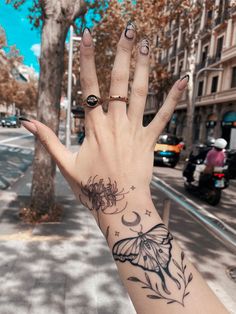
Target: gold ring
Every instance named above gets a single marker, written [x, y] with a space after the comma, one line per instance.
[118, 98]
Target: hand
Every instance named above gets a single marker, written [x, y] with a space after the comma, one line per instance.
[117, 148]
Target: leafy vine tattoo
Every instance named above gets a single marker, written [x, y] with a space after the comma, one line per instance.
[99, 196]
[151, 251]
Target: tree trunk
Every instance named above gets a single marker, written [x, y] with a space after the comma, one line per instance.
[58, 15]
[48, 110]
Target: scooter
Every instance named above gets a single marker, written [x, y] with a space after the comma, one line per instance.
[209, 186]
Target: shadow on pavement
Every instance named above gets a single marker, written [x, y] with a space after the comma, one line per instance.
[72, 274]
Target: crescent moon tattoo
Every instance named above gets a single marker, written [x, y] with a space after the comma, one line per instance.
[131, 223]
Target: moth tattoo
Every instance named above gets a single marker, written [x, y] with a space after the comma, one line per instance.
[150, 251]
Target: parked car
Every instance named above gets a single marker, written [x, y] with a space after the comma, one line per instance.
[167, 150]
[2, 121]
[11, 121]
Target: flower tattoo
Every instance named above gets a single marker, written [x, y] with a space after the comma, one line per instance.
[102, 196]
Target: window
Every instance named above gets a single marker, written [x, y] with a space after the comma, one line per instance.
[200, 88]
[233, 81]
[214, 84]
[174, 47]
[180, 67]
[204, 55]
[183, 41]
[209, 14]
[219, 47]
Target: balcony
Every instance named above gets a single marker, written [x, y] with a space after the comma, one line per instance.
[164, 61]
[152, 104]
[180, 49]
[201, 65]
[228, 53]
[168, 33]
[233, 10]
[172, 54]
[206, 31]
[220, 97]
[222, 17]
[214, 59]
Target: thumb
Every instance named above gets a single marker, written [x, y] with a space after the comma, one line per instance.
[63, 157]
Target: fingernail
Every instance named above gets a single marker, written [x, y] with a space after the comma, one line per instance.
[87, 38]
[130, 30]
[144, 47]
[183, 82]
[29, 125]
[24, 119]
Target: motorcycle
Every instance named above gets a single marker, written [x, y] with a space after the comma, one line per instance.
[205, 186]
[231, 161]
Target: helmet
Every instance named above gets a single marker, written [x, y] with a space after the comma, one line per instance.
[220, 143]
[210, 142]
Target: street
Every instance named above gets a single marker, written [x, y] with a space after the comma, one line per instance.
[16, 154]
[209, 255]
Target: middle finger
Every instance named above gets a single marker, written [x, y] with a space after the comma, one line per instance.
[120, 71]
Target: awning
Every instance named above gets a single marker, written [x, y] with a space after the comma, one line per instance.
[230, 116]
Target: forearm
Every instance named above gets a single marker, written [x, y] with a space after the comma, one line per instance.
[156, 273]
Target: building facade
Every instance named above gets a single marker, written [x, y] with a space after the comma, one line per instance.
[214, 75]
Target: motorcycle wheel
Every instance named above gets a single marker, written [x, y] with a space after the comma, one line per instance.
[213, 197]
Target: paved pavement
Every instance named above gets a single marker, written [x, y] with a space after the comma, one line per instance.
[56, 268]
[67, 267]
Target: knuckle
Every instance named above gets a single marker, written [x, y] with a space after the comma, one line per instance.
[123, 49]
[140, 91]
[164, 115]
[87, 52]
[44, 140]
[86, 82]
[174, 97]
[119, 76]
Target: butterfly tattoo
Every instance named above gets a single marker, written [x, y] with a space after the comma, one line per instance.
[149, 250]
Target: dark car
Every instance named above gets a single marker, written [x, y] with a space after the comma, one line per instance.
[11, 121]
[167, 150]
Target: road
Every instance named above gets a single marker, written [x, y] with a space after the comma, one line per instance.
[225, 210]
[211, 257]
[16, 154]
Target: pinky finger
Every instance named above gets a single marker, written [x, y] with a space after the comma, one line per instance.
[164, 114]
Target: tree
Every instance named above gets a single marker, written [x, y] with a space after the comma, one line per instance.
[154, 19]
[55, 18]
[149, 17]
[22, 94]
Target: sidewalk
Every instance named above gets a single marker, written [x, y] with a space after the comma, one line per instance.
[56, 268]
[67, 268]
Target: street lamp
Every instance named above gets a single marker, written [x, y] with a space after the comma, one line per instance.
[69, 86]
[197, 76]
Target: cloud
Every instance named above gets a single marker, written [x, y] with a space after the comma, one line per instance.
[36, 49]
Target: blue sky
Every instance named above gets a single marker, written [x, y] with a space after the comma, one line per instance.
[19, 33]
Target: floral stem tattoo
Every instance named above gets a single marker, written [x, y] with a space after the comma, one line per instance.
[102, 196]
[151, 251]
